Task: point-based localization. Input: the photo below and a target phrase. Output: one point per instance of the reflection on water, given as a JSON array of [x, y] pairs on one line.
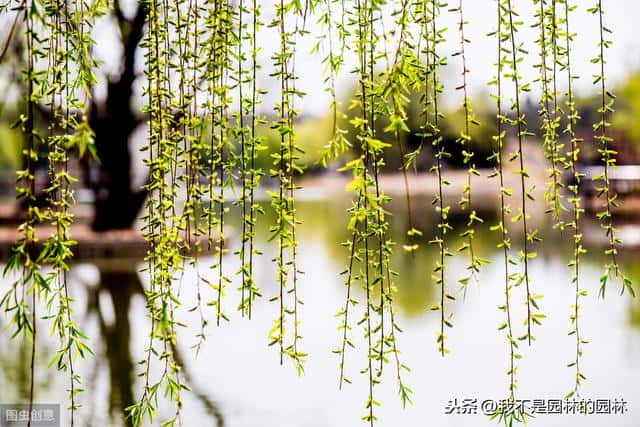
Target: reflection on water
[[236, 379], [119, 286]]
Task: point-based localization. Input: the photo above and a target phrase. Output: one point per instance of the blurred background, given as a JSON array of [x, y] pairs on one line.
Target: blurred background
[[236, 378]]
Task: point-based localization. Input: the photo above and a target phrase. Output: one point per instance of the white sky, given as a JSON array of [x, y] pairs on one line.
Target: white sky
[[622, 57]]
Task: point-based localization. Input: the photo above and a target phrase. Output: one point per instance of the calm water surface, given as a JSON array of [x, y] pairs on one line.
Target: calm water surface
[[238, 382]]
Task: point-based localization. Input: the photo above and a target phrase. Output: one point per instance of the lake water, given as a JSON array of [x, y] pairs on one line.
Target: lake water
[[238, 377]]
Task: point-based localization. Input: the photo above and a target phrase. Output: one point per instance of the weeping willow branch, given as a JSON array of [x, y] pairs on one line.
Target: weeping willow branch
[[576, 209], [429, 12], [23, 259], [549, 109], [394, 88], [369, 246], [475, 262], [284, 169], [58, 75], [607, 156], [505, 210], [163, 221], [530, 235], [400, 74], [333, 61], [255, 141]]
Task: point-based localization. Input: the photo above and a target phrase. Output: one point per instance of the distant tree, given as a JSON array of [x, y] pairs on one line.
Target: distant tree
[[113, 117]]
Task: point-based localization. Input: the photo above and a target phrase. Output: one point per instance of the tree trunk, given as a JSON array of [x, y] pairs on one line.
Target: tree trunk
[[117, 204]]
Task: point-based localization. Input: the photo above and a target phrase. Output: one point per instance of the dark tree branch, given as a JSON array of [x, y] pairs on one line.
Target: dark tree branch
[[117, 10], [10, 36], [131, 39]]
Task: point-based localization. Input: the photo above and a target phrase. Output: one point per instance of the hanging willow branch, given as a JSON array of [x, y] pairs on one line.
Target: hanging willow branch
[[255, 145], [475, 262], [576, 209], [505, 209], [248, 141], [363, 212], [333, 62], [58, 76], [547, 24], [24, 259], [196, 189], [429, 12], [369, 245], [154, 224], [607, 156], [57, 248], [514, 50], [402, 73], [285, 168], [220, 22], [170, 162]]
